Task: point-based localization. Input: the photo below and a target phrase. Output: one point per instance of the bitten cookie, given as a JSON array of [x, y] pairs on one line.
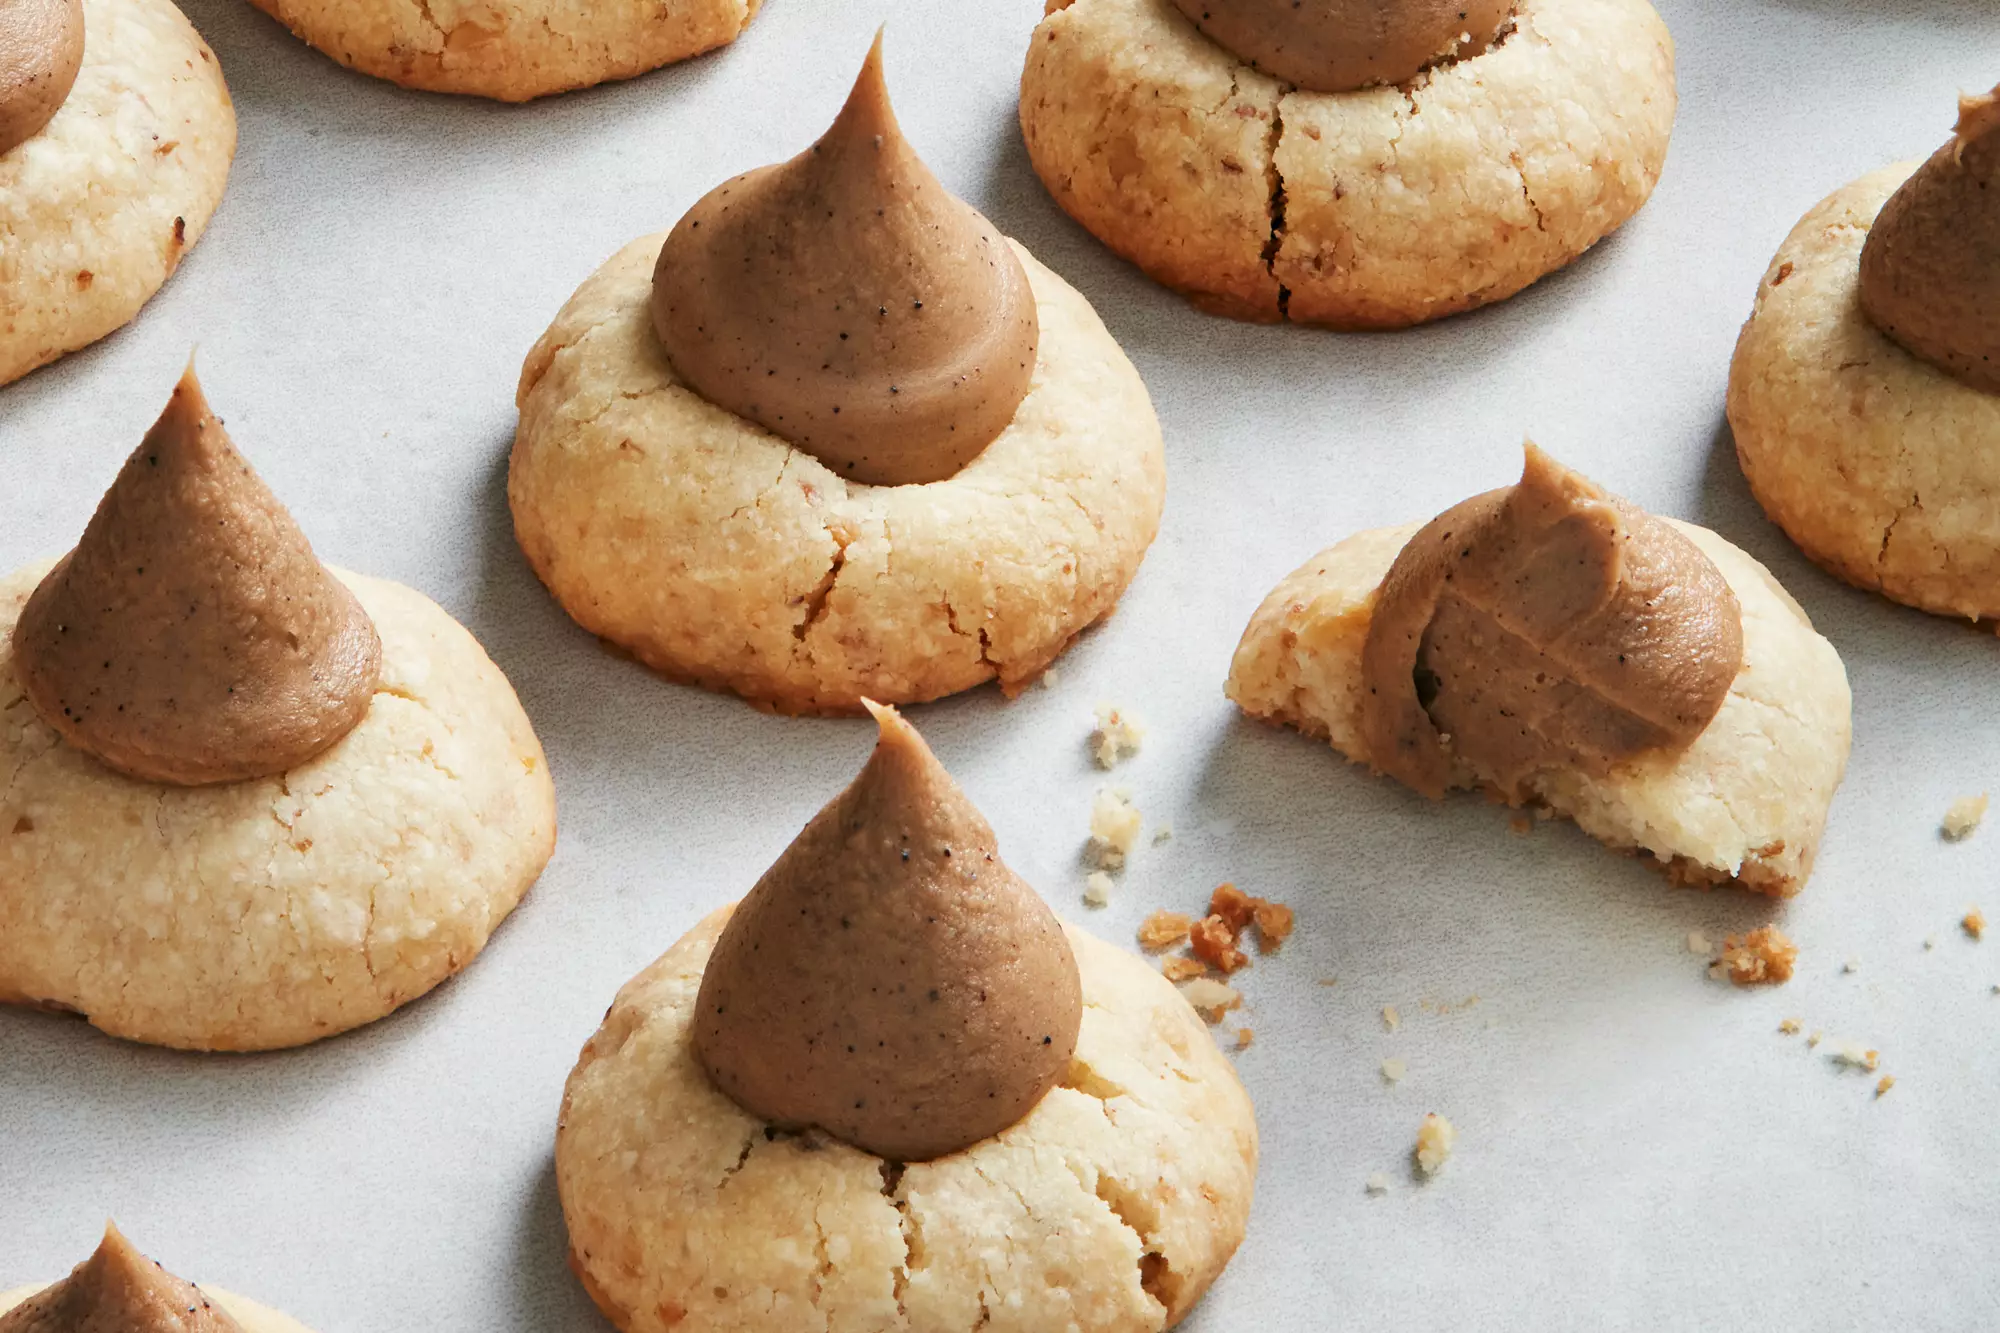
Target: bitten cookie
[[902, 460], [98, 207], [1744, 801], [512, 50], [1110, 1207], [1369, 209], [1884, 466]]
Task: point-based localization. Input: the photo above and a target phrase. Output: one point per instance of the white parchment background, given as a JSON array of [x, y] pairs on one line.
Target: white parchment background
[[1639, 1147]]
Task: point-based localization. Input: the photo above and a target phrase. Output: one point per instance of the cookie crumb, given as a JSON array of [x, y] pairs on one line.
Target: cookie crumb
[[1853, 1054], [1274, 925], [1378, 1183], [1163, 930], [1164, 833], [1974, 923], [1963, 818], [1182, 969], [1390, 1018], [1521, 824], [1215, 944], [1210, 998], [1698, 943], [1435, 1140], [1114, 827], [1764, 957], [1930, 943], [1331, 982], [1815, 1039], [1851, 966], [1097, 889], [1118, 735], [1394, 1069], [1244, 1036], [1790, 1027], [1050, 679], [1883, 1084]]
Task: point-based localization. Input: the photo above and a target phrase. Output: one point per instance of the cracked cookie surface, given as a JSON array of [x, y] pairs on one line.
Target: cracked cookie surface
[[719, 555], [1373, 209], [269, 913], [511, 50], [1110, 1207], [97, 210], [1883, 469], [253, 1317], [1746, 803]]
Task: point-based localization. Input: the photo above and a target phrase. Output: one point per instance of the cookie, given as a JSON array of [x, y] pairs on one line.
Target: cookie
[[1111, 1206], [253, 1317], [511, 50], [273, 912], [1883, 468], [97, 209], [718, 554], [1373, 209], [1745, 803]]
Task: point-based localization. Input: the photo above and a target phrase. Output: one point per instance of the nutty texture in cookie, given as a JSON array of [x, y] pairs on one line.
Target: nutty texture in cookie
[[889, 979], [1337, 46], [193, 636], [1930, 271], [847, 302], [118, 1290], [41, 50], [1544, 625]]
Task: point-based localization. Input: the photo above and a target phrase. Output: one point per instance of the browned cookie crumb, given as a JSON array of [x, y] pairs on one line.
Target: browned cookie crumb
[[1182, 969], [1886, 1082], [1244, 1036], [1163, 930], [1436, 1138], [1974, 923], [1764, 957], [1215, 944]]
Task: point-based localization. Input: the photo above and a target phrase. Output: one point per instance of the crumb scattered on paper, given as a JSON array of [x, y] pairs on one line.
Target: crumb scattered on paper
[[1050, 679], [1974, 923], [1851, 966], [1522, 824], [1331, 982], [1764, 957], [1215, 944], [1164, 833], [1163, 930], [1244, 1036], [1096, 889], [1963, 817], [1210, 998], [1118, 734], [1435, 1140], [1930, 943], [1883, 1084], [1394, 1069], [1698, 943], [1114, 827], [1815, 1039], [1790, 1027], [1378, 1183], [1390, 1018], [1852, 1054], [1180, 969]]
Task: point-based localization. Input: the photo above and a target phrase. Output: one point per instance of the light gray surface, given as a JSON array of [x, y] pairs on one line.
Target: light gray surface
[[1639, 1147]]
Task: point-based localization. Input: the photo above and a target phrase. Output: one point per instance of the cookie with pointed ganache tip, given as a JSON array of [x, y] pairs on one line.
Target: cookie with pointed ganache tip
[[511, 50], [246, 801], [1864, 395], [1348, 163], [889, 1093], [896, 460], [119, 1290], [1557, 647], [102, 199]]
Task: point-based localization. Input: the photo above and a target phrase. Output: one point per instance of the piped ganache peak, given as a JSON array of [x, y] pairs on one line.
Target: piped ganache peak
[[1337, 46], [41, 50], [1547, 625], [118, 1290], [889, 980], [1930, 270], [848, 303], [192, 636]]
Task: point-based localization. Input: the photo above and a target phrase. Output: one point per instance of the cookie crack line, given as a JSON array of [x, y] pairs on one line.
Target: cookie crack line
[[907, 1225], [816, 600], [1274, 207]]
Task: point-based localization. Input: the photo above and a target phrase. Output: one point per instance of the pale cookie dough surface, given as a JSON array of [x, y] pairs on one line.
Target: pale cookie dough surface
[[717, 553], [1884, 469], [1372, 209], [1110, 1207], [255, 1318], [512, 50], [274, 912], [1746, 802], [97, 209]]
